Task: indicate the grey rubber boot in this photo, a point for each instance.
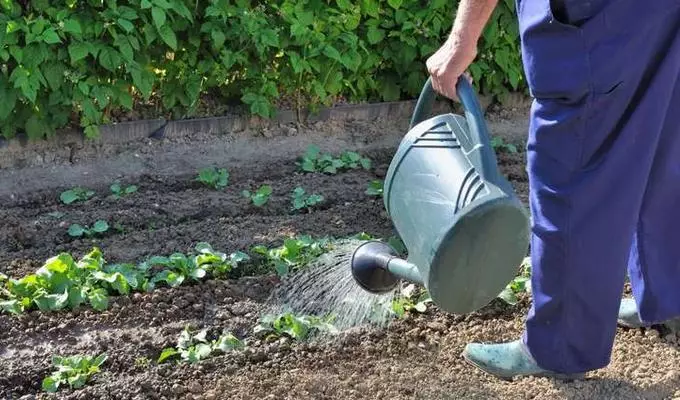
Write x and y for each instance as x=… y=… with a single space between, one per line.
x=629 y=317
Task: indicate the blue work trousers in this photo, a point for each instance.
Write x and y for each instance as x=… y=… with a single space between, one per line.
x=603 y=159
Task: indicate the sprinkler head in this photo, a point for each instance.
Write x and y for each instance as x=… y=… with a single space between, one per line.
x=369 y=267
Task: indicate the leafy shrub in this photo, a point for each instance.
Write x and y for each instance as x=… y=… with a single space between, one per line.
x=86 y=62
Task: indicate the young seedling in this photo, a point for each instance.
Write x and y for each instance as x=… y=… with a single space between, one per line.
x=76 y=230
x=120 y=191
x=301 y=200
x=260 y=197
x=72 y=371
x=499 y=144
x=213 y=177
x=315 y=161
x=520 y=284
x=410 y=299
x=292 y=326
x=375 y=188
x=193 y=348
x=76 y=194
x=294 y=254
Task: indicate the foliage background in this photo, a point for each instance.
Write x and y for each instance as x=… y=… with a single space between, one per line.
x=83 y=62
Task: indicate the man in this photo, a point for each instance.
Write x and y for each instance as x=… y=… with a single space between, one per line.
x=604 y=171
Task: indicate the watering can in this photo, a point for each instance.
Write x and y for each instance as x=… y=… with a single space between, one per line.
x=465 y=230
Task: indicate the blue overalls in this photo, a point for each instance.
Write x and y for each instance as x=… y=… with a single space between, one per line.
x=603 y=158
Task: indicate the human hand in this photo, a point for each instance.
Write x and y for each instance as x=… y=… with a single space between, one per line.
x=448 y=63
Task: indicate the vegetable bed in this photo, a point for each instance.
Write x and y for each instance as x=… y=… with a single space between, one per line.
x=197 y=256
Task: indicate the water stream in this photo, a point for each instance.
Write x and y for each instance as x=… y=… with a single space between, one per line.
x=326 y=287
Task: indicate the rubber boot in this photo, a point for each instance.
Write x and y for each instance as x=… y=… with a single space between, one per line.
x=629 y=317
x=509 y=360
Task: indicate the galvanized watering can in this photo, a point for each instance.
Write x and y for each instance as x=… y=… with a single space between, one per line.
x=465 y=229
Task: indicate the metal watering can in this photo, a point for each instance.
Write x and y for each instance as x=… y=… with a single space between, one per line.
x=464 y=227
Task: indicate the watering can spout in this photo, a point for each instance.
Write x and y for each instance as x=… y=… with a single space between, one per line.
x=377 y=268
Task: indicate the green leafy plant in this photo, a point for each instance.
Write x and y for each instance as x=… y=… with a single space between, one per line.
x=294 y=253
x=120 y=191
x=194 y=347
x=520 y=284
x=410 y=298
x=64 y=283
x=219 y=264
x=77 y=230
x=375 y=188
x=89 y=64
x=302 y=200
x=260 y=197
x=76 y=194
x=315 y=161
x=73 y=371
x=499 y=144
x=213 y=177
x=292 y=326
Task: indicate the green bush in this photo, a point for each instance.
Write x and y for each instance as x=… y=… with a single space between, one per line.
x=87 y=61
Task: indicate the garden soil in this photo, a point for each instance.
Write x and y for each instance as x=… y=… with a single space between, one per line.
x=417 y=357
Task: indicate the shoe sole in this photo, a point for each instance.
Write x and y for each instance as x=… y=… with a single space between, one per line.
x=509 y=378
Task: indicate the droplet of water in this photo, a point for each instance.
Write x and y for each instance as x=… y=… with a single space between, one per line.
x=326 y=287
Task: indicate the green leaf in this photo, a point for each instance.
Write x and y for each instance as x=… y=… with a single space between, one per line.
x=50 y=385
x=78 y=51
x=167 y=353
x=76 y=230
x=126 y=25
x=99 y=299
x=50 y=36
x=168 y=36
x=100 y=226
x=72 y=26
x=395 y=3
x=158 y=16
x=109 y=58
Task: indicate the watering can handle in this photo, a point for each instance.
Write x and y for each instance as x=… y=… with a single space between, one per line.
x=473 y=114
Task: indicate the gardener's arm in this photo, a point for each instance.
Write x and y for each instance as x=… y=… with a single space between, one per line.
x=460 y=49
